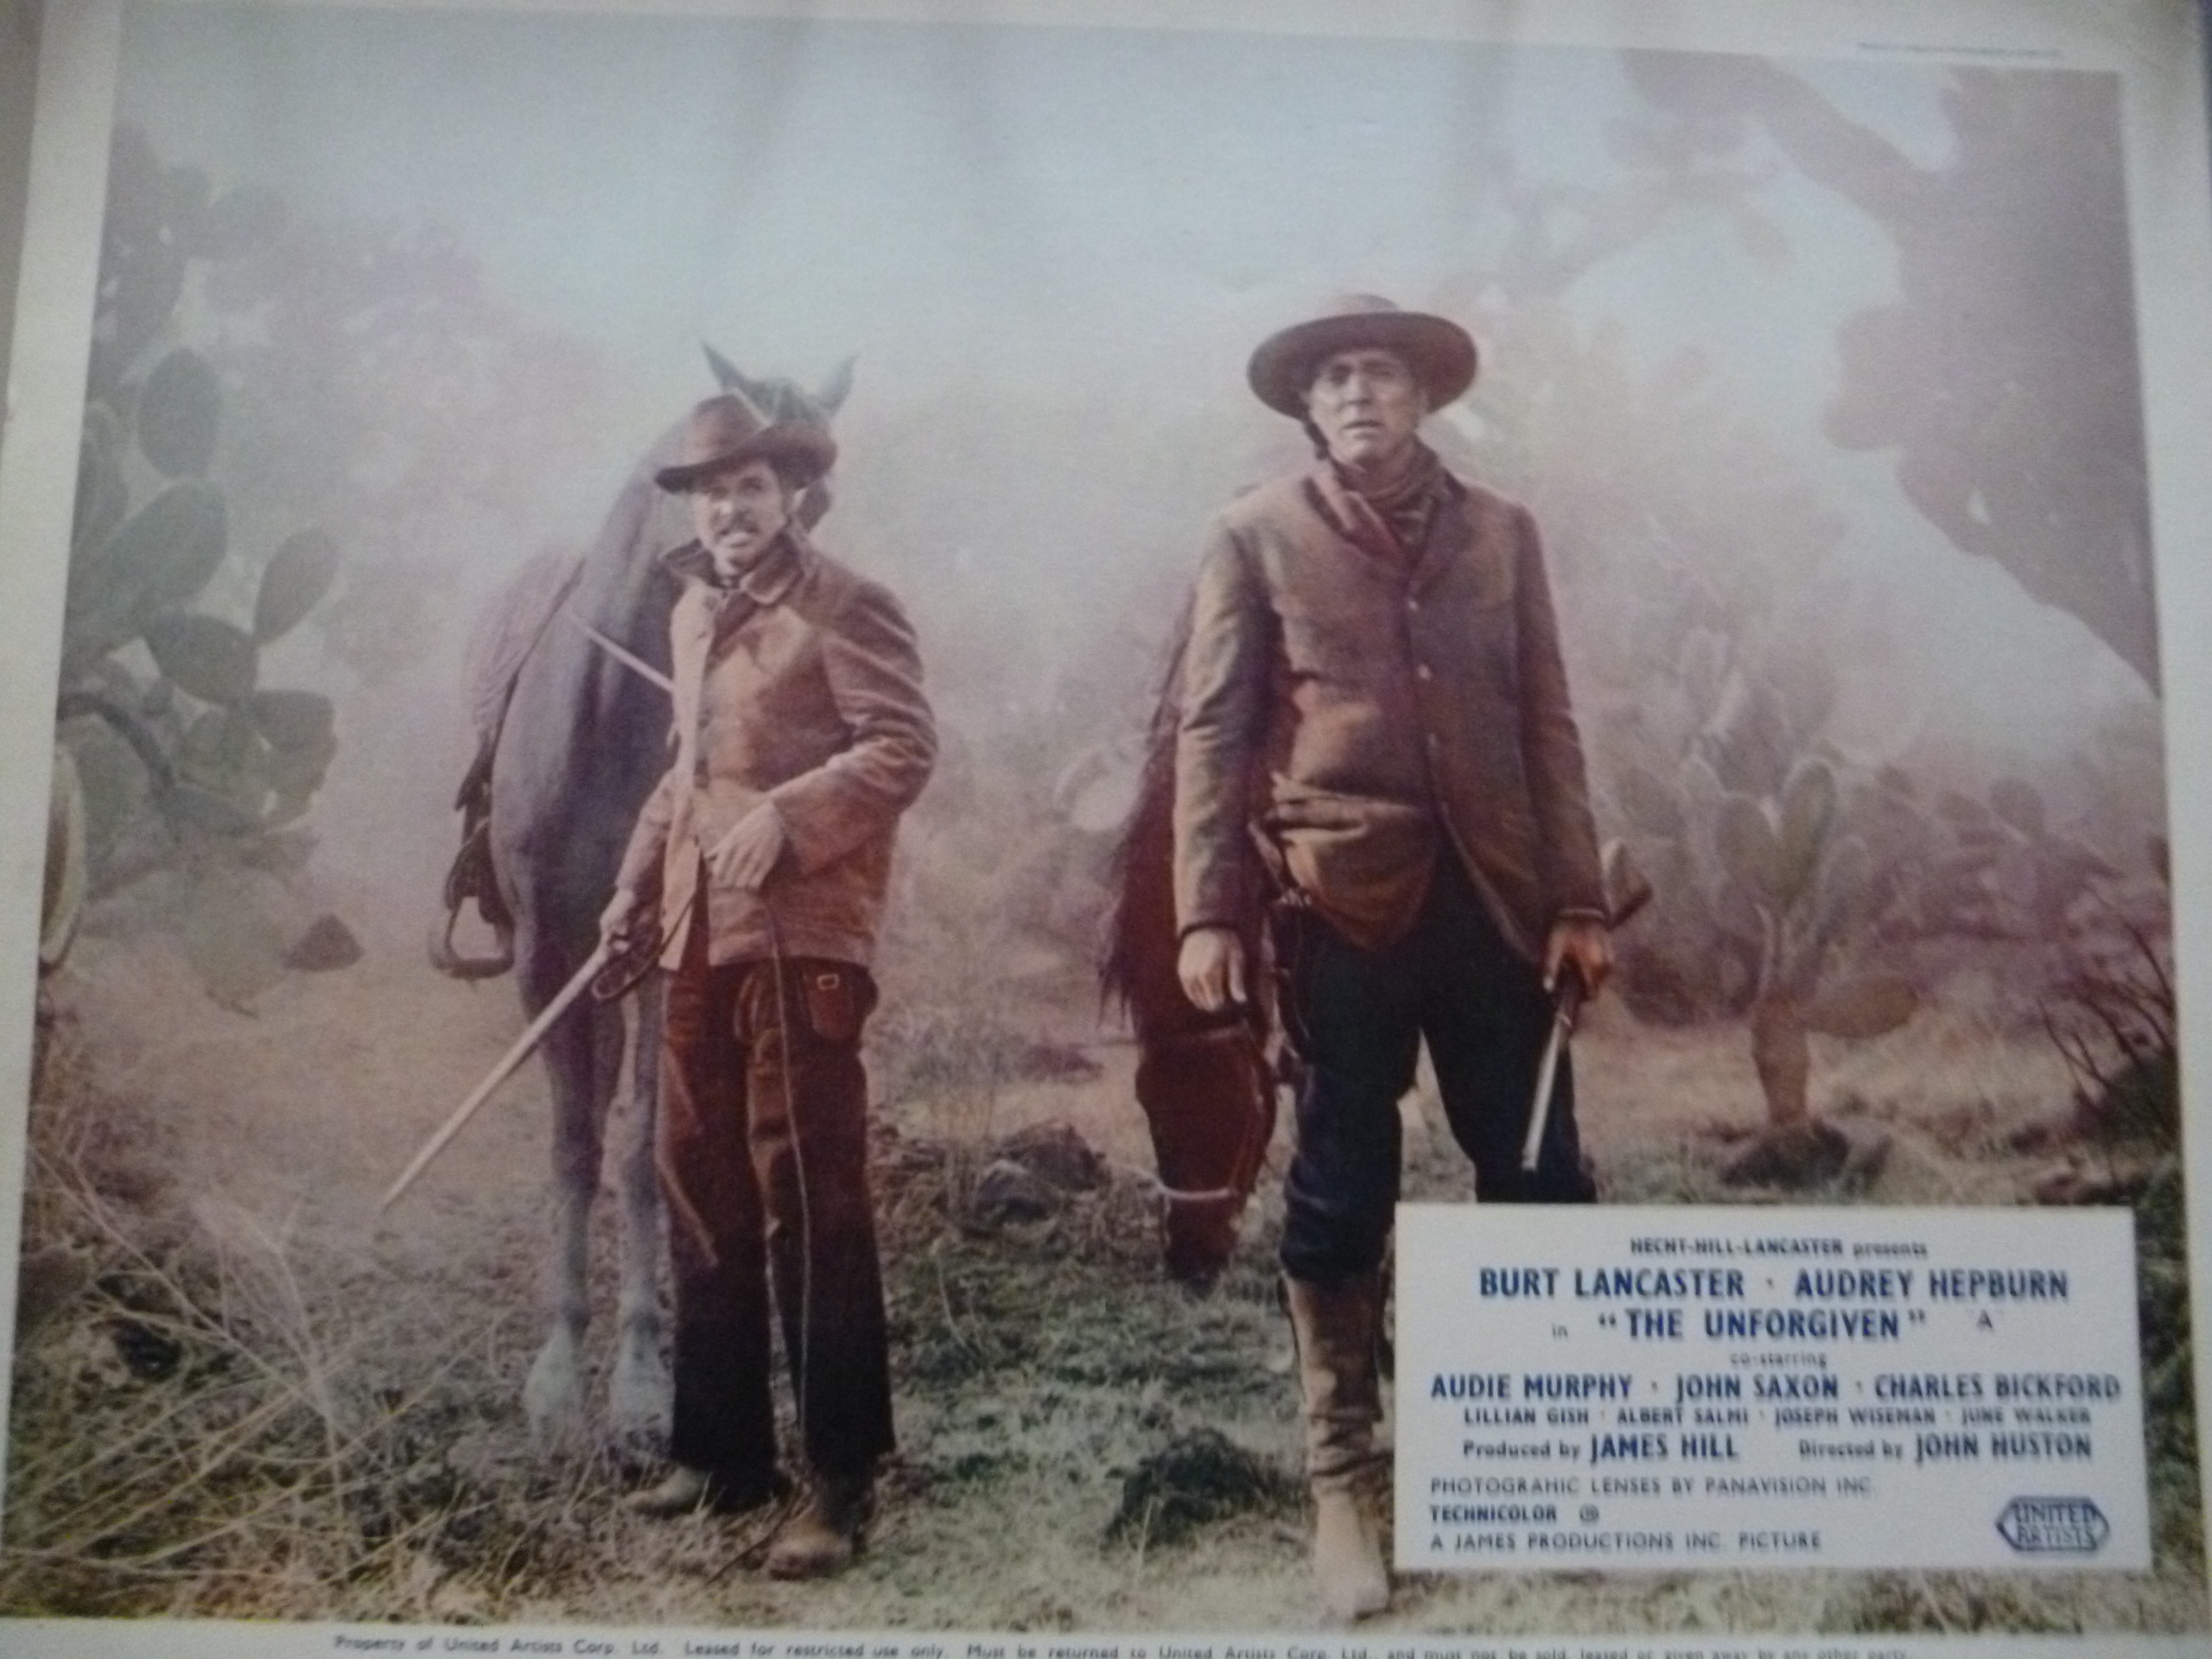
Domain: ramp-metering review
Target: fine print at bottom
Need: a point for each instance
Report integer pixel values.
(748, 1646)
(1662, 1388)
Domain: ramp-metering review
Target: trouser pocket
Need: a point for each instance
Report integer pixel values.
(836, 998)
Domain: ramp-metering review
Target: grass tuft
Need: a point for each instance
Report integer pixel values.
(1201, 1477)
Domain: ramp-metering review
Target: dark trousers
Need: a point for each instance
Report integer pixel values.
(763, 1153)
(1358, 1018)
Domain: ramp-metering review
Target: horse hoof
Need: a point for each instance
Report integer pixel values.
(641, 1402)
(551, 1397)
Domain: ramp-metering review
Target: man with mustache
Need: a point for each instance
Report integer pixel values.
(1373, 682)
(801, 736)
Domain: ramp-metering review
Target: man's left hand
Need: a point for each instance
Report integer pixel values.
(743, 857)
(1579, 942)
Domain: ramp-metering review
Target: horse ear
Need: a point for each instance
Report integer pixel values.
(725, 371)
(768, 398)
(763, 400)
(836, 388)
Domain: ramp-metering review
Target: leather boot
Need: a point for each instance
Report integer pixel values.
(820, 1539)
(685, 1490)
(1337, 1326)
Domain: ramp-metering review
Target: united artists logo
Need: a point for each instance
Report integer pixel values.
(2054, 1526)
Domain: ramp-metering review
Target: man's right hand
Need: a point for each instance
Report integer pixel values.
(1211, 967)
(617, 921)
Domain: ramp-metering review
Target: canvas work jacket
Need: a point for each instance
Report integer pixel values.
(1367, 708)
(799, 686)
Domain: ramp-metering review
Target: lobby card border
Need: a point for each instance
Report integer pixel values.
(50, 345)
(2156, 45)
(124, 1639)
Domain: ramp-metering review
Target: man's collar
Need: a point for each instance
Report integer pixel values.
(1420, 475)
(1395, 529)
(769, 581)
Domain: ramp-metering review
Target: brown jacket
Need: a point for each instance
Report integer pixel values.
(1363, 709)
(800, 686)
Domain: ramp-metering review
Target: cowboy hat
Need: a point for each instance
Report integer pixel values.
(1440, 353)
(726, 430)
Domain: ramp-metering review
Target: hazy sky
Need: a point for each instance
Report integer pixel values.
(1047, 202)
(995, 211)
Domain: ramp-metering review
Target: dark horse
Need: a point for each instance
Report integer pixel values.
(1206, 1082)
(572, 741)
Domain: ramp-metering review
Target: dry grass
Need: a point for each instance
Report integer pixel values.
(1977, 1109)
(339, 1434)
(192, 1427)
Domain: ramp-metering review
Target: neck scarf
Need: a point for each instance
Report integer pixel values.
(1393, 522)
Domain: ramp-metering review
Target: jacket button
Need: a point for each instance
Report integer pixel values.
(1422, 671)
(1413, 604)
(1435, 741)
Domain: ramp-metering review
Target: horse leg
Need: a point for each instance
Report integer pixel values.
(583, 1055)
(643, 1396)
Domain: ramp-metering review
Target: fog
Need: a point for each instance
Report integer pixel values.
(1051, 251)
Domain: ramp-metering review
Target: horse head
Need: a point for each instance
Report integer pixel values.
(781, 399)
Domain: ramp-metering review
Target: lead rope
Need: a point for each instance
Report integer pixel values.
(803, 1370)
(804, 1377)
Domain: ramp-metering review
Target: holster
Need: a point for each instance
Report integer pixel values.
(1288, 918)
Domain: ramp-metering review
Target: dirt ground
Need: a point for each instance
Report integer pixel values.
(240, 1392)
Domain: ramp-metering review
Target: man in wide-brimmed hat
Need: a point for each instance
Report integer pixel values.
(1373, 681)
(801, 736)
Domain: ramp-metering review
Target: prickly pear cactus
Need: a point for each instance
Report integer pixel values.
(1763, 884)
(172, 745)
(1807, 883)
(1991, 866)
(180, 684)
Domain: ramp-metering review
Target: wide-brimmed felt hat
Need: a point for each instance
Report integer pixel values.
(1440, 353)
(728, 430)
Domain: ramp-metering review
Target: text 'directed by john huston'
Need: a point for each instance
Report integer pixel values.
(1672, 1387)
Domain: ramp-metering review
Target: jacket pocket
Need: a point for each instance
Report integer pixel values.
(1365, 862)
(1485, 579)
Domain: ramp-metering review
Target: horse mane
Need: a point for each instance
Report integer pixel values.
(1137, 970)
(1140, 913)
(1204, 1080)
(507, 629)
